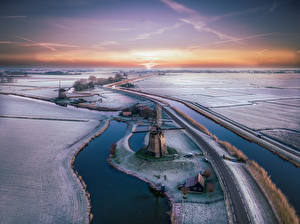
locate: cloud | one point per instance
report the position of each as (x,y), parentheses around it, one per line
(122,29)
(13,17)
(7,42)
(144,36)
(237,13)
(105,44)
(199,23)
(30,43)
(234,40)
(178,7)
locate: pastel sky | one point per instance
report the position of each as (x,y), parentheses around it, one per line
(150,33)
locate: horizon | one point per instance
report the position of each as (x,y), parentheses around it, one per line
(156,34)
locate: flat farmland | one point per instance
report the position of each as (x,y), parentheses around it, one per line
(265,102)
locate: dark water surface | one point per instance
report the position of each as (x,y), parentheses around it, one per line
(136,141)
(285,175)
(115,196)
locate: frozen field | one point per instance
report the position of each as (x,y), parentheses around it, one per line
(37,184)
(114,99)
(40,83)
(46,86)
(262,102)
(19,106)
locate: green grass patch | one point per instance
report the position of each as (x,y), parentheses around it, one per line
(144,154)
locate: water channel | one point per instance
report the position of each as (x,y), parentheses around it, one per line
(117,197)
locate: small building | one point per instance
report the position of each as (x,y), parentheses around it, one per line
(126,113)
(195,184)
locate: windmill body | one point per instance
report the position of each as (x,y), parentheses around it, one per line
(157,146)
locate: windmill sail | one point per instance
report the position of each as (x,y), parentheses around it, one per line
(158,115)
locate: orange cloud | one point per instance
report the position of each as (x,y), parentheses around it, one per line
(160,58)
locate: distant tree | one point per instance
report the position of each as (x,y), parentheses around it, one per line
(147,112)
(83,84)
(118,77)
(93,78)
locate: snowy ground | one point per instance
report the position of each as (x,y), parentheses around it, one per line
(114,99)
(172,173)
(192,213)
(258,101)
(37,184)
(13,105)
(47,86)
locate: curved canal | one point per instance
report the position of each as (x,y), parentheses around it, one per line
(115,196)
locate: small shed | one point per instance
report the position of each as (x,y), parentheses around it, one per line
(195,184)
(126,113)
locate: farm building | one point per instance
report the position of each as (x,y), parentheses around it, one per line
(195,184)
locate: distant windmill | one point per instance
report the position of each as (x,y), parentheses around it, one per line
(156,145)
(61,92)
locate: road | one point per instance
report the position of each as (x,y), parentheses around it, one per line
(238,208)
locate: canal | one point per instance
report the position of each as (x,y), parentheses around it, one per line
(136,141)
(117,197)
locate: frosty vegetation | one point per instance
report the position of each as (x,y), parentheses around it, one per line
(89,83)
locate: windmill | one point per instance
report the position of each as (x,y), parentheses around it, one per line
(61,92)
(156,145)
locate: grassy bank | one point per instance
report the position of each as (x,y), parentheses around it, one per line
(230,148)
(277,199)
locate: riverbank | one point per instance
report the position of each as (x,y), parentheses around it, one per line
(101,129)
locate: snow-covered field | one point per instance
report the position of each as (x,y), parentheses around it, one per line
(20,106)
(113,99)
(191,213)
(37,183)
(257,100)
(47,86)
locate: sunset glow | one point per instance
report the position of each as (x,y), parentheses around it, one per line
(158,33)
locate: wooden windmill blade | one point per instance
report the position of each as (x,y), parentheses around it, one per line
(141,131)
(158,114)
(175,128)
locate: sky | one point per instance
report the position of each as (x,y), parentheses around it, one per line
(150,33)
